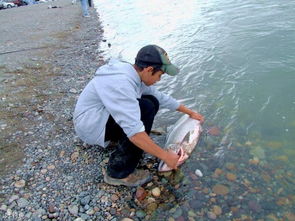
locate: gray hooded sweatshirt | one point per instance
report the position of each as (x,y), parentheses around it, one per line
(114,91)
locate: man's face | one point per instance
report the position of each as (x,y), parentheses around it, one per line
(149,78)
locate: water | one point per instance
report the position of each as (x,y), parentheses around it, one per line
(237,61)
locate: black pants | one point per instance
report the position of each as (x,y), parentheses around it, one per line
(125,158)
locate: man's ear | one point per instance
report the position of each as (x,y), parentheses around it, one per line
(149,68)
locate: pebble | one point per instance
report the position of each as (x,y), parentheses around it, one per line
(73,209)
(73,90)
(3,207)
(43,171)
(231,177)
(140,194)
(13,198)
(22,203)
(74,156)
(9,212)
(156,192)
(151,207)
(140,214)
(51,208)
(198,173)
(217,210)
(51,167)
(20,184)
(211,215)
(220,189)
(85,200)
(114,197)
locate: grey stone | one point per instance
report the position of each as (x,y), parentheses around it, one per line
(73,209)
(3,207)
(35,218)
(79,219)
(22,203)
(140,214)
(13,198)
(85,200)
(85,216)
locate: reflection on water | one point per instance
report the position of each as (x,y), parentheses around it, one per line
(237,61)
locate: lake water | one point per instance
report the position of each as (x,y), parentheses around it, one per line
(237,61)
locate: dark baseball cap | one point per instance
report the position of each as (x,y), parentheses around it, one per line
(155,55)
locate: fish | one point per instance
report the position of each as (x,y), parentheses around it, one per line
(182,140)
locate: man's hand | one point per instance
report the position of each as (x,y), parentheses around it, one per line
(171,159)
(191,113)
(197,116)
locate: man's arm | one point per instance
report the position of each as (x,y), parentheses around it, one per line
(191,113)
(144,142)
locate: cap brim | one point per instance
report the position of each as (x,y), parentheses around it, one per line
(171,69)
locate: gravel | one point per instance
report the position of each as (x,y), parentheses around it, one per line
(56,177)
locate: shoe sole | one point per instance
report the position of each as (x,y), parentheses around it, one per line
(116,182)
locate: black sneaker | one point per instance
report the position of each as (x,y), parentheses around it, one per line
(137,178)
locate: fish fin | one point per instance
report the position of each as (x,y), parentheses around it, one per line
(186,137)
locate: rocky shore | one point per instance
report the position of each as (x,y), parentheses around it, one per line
(47,173)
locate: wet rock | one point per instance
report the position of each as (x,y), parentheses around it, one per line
(156,192)
(272,217)
(217,210)
(214,131)
(230,166)
(198,173)
(211,215)
(269,205)
(181,218)
(254,206)
(289,216)
(283,201)
(191,213)
(220,189)
(254,161)
(140,194)
(231,177)
(258,152)
(140,214)
(151,207)
(218,172)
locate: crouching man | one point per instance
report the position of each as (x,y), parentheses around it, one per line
(119,104)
